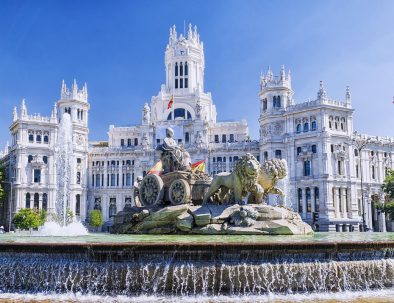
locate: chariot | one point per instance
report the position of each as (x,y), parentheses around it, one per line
(173,188)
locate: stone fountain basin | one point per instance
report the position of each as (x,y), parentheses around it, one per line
(251,219)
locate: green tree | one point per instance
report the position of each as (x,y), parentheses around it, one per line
(27,218)
(388,188)
(96,218)
(2,179)
(43,216)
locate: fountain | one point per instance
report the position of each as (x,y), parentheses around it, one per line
(211,245)
(58,224)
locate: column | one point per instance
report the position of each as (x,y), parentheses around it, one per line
(304,210)
(344,202)
(335,201)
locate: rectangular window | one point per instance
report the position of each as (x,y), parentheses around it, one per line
(122,142)
(37,176)
(135,141)
(97,180)
(92,180)
(176,83)
(79,160)
(181,83)
(78,178)
(31,138)
(128,142)
(216,138)
(307,168)
(224,138)
(339,167)
(356,170)
(128,179)
(231,137)
(113,180)
(186,82)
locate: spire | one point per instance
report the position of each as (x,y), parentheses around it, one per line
(269,73)
(54,113)
(189,32)
(195,32)
(321,94)
(23,109)
(282,73)
(14,114)
(348,95)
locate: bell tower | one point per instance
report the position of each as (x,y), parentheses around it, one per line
(184,60)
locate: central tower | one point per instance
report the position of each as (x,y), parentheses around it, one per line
(184,86)
(184,60)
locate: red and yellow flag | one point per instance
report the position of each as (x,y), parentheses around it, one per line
(157,169)
(170,102)
(198,166)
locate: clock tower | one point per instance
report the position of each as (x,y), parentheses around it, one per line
(184,60)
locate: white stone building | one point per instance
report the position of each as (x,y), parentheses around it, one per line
(315,137)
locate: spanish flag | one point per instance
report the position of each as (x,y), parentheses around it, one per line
(198,166)
(157,169)
(170,102)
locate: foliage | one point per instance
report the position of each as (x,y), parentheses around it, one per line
(27,218)
(43,216)
(96,218)
(388,184)
(2,180)
(388,189)
(69,216)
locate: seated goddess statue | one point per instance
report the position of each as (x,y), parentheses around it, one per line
(173,156)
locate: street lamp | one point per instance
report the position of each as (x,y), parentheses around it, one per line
(360,143)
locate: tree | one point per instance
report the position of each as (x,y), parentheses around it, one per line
(388,188)
(2,180)
(43,216)
(27,218)
(96,218)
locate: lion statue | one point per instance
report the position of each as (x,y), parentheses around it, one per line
(270,173)
(233,187)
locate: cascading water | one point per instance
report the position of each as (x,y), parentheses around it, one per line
(58,225)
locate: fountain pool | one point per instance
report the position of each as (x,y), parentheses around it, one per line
(325,267)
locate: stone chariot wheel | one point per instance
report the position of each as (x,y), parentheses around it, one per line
(151,190)
(179,192)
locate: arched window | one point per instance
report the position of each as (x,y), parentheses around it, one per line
(181,69)
(186,69)
(308,200)
(300,200)
(112,207)
(317,200)
(128,162)
(78,177)
(356,152)
(187,138)
(46,139)
(45,159)
(313,125)
(314,148)
(373,172)
(278,101)
(274,101)
(38,138)
(264,104)
(31,138)
(78,205)
(27,200)
(97,203)
(278,154)
(306,127)
(176,69)
(135,141)
(179,113)
(36,204)
(45,201)
(128,179)
(298,128)
(265,156)
(29,158)
(299,150)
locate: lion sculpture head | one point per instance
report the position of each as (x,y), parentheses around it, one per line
(247,169)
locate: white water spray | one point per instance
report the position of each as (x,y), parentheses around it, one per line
(60,225)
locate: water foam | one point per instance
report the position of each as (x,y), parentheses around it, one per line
(55,229)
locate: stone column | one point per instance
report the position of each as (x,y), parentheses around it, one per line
(304,202)
(312,199)
(344,202)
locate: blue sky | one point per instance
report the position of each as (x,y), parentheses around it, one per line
(117,47)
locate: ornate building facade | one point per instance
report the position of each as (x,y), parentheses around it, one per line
(335,174)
